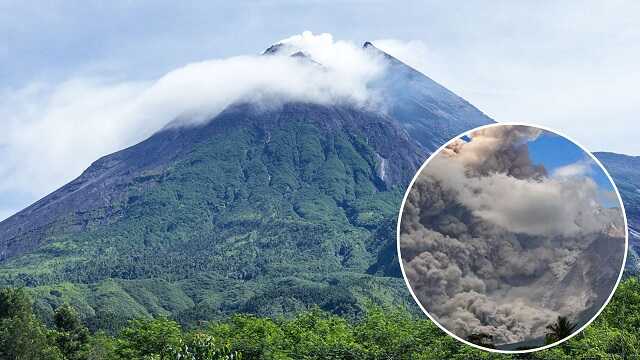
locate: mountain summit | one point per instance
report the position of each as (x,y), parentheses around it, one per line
(421,114)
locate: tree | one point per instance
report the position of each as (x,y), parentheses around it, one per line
(100,347)
(22,335)
(73,336)
(317,334)
(201,346)
(14,302)
(387,333)
(148,338)
(559,330)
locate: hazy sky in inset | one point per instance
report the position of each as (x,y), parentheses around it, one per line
(567,65)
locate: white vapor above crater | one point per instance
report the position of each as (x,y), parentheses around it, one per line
(52,132)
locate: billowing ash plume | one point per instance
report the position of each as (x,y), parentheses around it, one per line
(491,244)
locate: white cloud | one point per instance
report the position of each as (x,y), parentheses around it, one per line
(342,56)
(52,132)
(580,168)
(549,207)
(495,164)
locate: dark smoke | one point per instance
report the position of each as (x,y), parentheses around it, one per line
(491,244)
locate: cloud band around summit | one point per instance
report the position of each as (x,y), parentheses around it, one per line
(54,131)
(493,244)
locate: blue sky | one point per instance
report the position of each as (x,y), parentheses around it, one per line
(566,65)
(556,152)
(561,157)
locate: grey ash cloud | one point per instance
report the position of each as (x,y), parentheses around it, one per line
(491,244)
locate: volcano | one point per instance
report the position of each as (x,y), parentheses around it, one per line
(264,211)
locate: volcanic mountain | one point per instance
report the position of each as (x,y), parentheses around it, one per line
(266,211)
(625,171)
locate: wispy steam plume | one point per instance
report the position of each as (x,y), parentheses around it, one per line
(52,132)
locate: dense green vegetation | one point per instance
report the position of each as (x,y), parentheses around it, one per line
(249,221)
(270,237)
(378,333)
(269,218)
(291,225)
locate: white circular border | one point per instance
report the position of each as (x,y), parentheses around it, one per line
(415,298)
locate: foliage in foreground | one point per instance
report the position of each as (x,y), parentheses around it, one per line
(315,334)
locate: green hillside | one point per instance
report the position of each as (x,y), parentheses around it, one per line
(258,219)
(379,333)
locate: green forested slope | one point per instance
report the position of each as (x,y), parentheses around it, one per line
(262,218)
(263,212)
(378,333)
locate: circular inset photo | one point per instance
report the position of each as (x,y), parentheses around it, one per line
(512,238)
